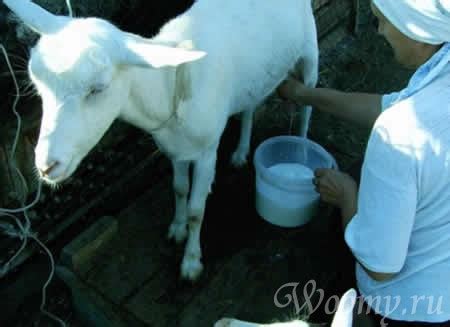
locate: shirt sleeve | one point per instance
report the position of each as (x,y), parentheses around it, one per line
(379,233)
(387,100)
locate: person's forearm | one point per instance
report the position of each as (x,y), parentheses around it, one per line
(361,108)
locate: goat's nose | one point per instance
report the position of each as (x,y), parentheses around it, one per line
(46,169)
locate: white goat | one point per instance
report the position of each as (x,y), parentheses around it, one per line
(342,318)
(218,59)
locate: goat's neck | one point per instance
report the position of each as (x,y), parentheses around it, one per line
(150,102)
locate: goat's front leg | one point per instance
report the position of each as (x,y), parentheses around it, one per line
(239,157)
(238,323)
(178,228)
(204,171)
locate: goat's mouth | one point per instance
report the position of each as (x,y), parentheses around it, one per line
(57,172)
(53,181)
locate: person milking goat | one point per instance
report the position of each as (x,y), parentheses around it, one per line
(397,217)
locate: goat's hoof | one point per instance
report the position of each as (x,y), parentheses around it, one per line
(239,159)
(191,269)
(177,232)
(226,322)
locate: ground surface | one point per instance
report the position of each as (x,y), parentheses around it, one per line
(246,259)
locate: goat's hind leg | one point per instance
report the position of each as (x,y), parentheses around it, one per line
(239,157)
(204,172)
(178,228)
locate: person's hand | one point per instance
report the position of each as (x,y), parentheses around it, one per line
(291,89)
(335,187)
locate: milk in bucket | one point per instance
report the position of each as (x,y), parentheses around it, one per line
(285,194)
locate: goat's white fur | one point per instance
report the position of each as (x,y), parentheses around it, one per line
(342,318)
(89,73)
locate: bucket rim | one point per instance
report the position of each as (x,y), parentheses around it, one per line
(282,181)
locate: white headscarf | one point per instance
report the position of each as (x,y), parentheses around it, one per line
(426,21)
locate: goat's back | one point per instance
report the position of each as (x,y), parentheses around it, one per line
(251,44)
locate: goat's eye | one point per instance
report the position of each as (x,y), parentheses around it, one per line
(94,90)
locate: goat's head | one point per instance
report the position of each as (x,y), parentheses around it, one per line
(76,69)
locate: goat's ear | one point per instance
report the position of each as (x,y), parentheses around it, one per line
(141,52)
(344,313)
(36,17)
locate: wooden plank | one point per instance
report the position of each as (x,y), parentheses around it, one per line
(329,40)
(317,4)
(93,309)
(80,254)
(161,299)
(51,231)
(245,287)
(331,16)
(139,250)
(222,292)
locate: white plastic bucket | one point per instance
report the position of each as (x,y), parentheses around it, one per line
(288,200)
